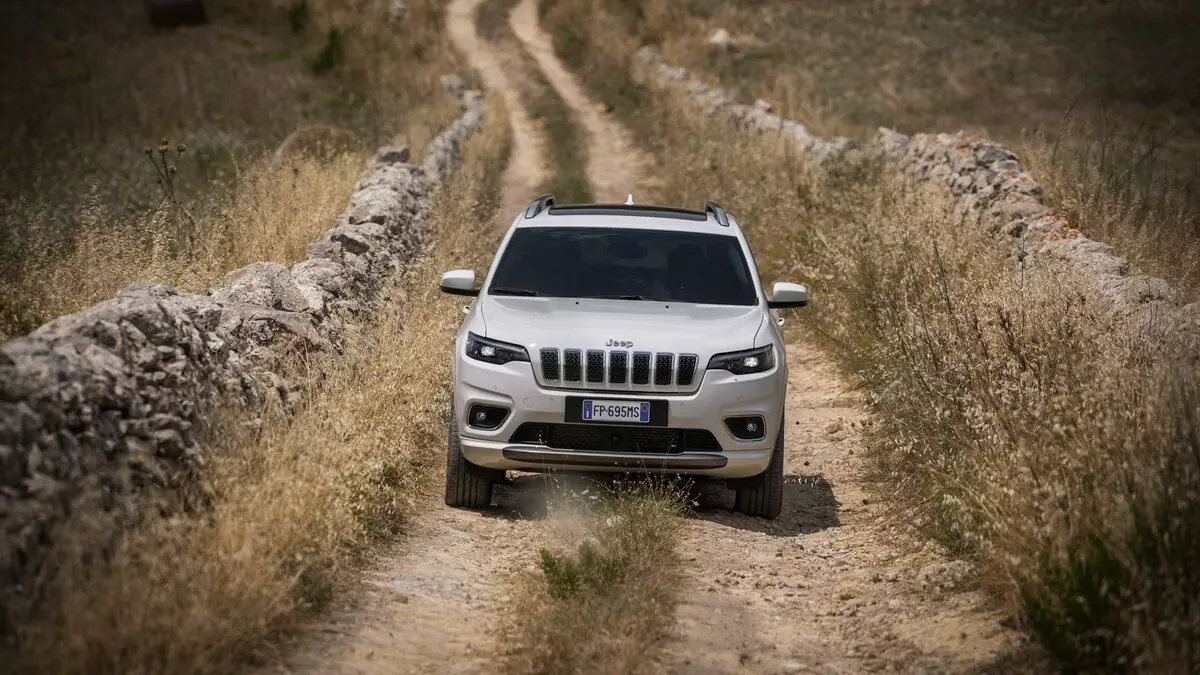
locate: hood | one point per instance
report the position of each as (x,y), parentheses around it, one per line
(651,326)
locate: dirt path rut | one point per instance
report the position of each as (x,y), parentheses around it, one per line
(434,603)
(825,588)
(615,167)
(527,167)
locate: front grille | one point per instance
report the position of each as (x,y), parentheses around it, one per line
(578,368)
(609,438)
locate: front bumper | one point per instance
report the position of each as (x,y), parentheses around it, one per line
(721,395)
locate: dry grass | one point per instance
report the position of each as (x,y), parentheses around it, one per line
(231,91)
(1017,424)
(272,215)
(604,602)
(297,505)
(1127,188)
(1099,96)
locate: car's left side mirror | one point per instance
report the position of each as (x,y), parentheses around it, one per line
(459,282)
(786,296)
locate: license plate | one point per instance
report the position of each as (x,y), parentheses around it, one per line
(616,411)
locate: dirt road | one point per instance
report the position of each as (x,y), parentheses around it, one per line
(823,589)
(615,167)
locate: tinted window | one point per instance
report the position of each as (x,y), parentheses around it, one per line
(574,262)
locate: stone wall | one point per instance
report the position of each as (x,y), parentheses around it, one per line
(986,181)
(104,411)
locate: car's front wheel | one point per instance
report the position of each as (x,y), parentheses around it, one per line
(765,498)
(464,487)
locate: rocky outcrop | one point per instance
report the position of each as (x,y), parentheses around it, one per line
(987,183)
(105,411)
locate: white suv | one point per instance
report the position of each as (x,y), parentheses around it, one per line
(620,338)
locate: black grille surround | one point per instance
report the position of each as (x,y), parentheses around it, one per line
(610,438)
(600,369)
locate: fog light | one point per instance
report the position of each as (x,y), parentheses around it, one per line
(748,428)
(486,416)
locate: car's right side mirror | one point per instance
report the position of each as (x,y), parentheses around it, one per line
(786,296)
(459,282)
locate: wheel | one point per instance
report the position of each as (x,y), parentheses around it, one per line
(464,487)
(765,498)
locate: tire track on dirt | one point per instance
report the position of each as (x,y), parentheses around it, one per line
(615,167)
(826,588)
(435,603)
(527,167)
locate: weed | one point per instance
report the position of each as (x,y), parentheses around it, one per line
(332,53)
(299,14)
(592,571)
(606,608)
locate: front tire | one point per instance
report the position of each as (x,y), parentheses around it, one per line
(765,499)
(464,487)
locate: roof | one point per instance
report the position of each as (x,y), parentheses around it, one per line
(543,212)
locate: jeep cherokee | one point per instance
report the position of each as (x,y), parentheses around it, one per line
(620,337)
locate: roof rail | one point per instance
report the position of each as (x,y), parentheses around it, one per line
(538,204)
(718,213)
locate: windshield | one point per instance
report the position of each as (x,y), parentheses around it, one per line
(660,265)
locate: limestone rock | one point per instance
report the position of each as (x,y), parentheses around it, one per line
(264,283)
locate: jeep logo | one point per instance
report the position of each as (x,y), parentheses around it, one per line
(619,343)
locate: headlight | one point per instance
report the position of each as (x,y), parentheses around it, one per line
(757,360)
(494,351)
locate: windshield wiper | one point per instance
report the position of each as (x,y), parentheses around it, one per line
(620,296)
(508,290)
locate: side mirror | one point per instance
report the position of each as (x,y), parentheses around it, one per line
(459,282)
(786,296)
